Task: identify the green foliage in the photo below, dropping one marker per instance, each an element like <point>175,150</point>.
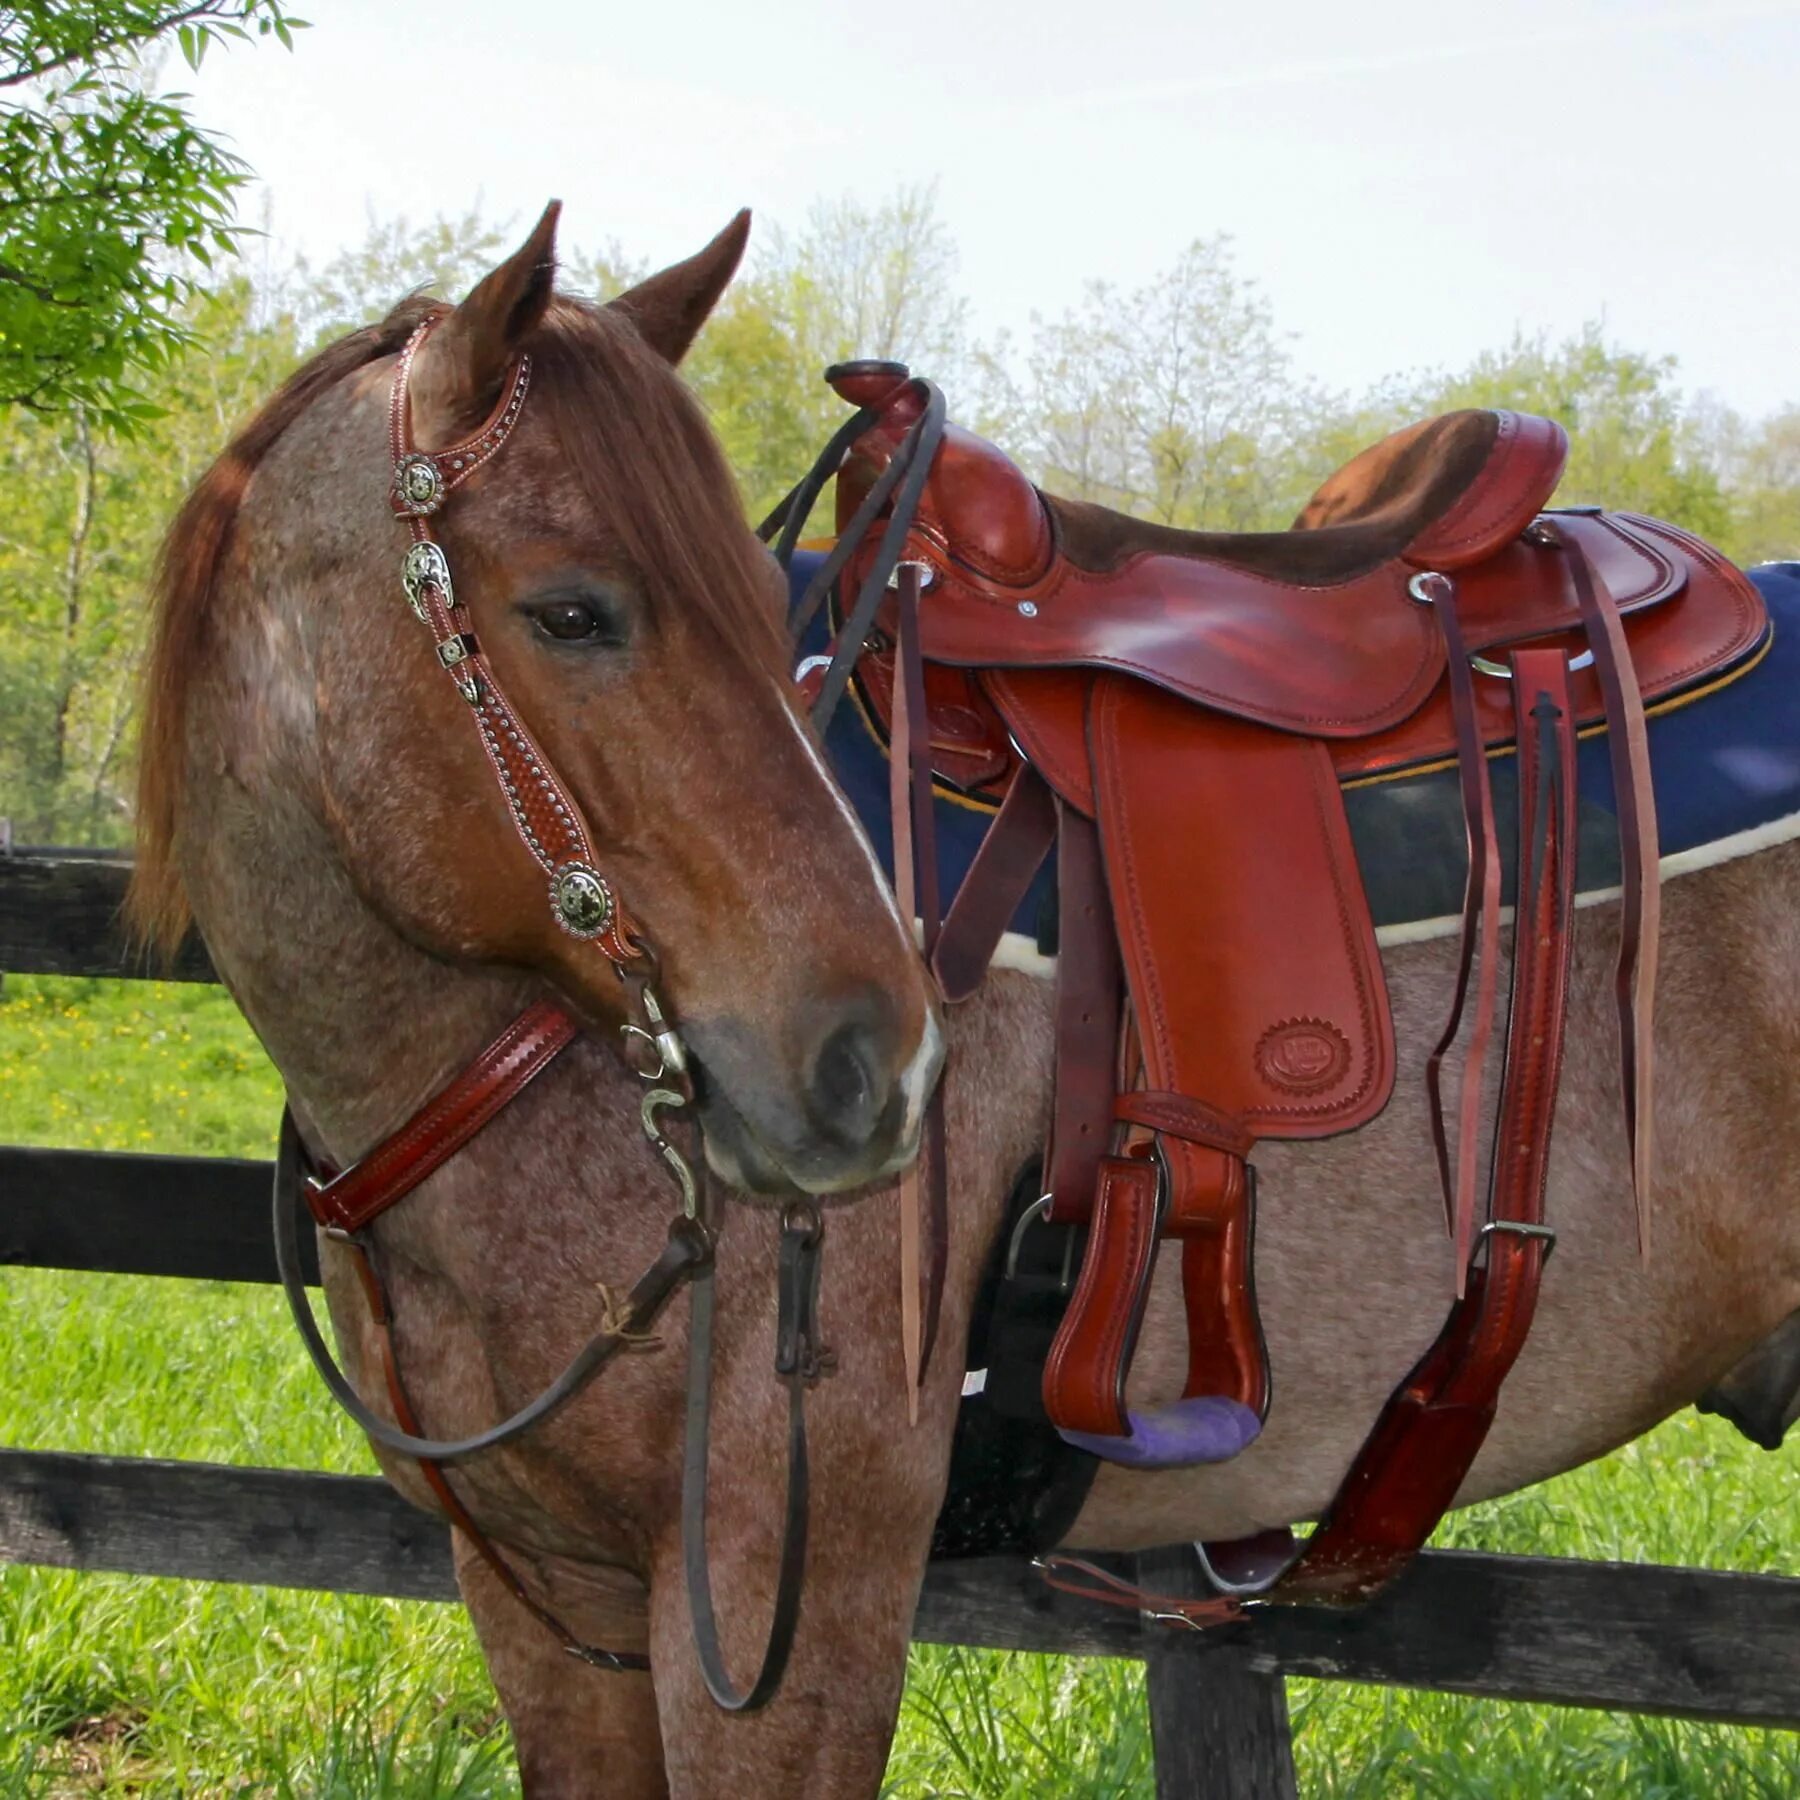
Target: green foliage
<point>86,510</point>
<point>445,257</point>
<point>1760,465</point>
<point>113,202</point>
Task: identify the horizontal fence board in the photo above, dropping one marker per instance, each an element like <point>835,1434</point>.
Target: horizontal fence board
<point>1687,1642</point>
<point>209,1522</point>
<point>1633,1637</point>
<point>201,1216</point>
<point>60,916</point>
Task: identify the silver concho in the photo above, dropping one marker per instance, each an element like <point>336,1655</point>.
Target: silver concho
<point>426,566</point>
<point>582,900</point>
<point>418,485</point>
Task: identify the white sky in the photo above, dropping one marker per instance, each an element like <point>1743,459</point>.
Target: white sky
<point>1408,181</point>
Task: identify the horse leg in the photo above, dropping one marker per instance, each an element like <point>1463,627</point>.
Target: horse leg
<point>827,1732</point>
<point>582,1733</point>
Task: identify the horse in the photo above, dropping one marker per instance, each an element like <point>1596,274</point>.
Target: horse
<point>312,798</point>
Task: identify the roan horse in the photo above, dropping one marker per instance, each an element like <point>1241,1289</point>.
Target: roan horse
<point>313,797</point>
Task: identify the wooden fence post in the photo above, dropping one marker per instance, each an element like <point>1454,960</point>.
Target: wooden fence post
<point>1220,1727</point>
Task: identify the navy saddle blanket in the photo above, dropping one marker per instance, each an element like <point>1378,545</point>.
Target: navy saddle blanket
<point>1727,767</point>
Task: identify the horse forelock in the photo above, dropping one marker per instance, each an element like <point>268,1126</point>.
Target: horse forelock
<point>631,437</point>
<point>638,443</point>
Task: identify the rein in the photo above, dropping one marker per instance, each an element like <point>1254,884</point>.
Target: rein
<point>346,1205</point>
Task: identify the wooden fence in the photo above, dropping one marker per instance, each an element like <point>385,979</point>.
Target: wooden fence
<point>1684,1642</point>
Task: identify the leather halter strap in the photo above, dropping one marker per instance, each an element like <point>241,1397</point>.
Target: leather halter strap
<point>349,1202</point>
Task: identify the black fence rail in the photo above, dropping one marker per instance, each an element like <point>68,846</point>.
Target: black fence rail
<point>1684,1642</point>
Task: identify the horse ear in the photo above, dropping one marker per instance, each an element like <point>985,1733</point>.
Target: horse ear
<point>456,381</point>
<point>669,308</point>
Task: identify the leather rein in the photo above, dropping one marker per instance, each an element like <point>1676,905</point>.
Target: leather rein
<point>346,1205</point>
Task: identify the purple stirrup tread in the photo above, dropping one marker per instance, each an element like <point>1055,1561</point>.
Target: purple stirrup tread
<point>1204,1429</point>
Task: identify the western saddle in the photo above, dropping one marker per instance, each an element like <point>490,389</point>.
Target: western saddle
<point>1173,714</point>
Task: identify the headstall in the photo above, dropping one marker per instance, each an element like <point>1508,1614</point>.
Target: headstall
<point>345,1205</point>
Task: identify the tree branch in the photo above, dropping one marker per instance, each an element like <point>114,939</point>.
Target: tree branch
<point>106,43</point>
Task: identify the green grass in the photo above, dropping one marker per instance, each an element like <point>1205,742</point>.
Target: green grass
<point>118,1684</point>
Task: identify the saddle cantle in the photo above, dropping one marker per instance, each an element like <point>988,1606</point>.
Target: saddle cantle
<point>1176,712</point>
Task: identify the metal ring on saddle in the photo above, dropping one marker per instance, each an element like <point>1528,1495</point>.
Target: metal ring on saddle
<point>1428,586</point>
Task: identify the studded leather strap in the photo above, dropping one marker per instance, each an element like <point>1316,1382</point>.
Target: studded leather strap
<point>544,814</point>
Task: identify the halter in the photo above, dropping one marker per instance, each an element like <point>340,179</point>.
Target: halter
<point>583,902</point>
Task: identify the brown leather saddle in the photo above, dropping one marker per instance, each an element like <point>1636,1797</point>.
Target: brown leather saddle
<point>1172,714</point>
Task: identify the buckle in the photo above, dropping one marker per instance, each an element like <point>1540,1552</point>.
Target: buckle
<point>1546,1234</point>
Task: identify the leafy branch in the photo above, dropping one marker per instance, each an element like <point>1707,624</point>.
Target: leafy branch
<point>113,201</point>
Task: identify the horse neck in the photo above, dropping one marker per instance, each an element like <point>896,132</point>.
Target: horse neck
<point>362,1024</point>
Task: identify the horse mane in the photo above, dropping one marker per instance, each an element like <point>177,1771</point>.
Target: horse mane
<point>182,616</point>
<point>637,441</point>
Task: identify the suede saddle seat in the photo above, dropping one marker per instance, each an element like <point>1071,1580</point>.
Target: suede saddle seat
<point>1191,704</point>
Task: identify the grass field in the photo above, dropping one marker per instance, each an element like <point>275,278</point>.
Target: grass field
<point>120,1685</point>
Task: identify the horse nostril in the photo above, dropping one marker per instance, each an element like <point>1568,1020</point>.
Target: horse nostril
<point>848,1093</point>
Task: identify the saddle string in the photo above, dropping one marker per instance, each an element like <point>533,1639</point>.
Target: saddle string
<point>897,490</point>
<point>1640,903</point>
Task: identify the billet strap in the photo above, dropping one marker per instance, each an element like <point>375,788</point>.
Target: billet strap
<point>1090,998</point>
<point>349,1202</point>
<point>1640,903</point>
<point>1005,864</point>
<point>1477,954</point>
<point>800,1360</point>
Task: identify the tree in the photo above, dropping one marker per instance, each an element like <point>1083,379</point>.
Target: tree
<point>1177,402</point>
<point>85,512</point>
<point>113,202</point>
<point>855,281</point>
<point>1760,466</point>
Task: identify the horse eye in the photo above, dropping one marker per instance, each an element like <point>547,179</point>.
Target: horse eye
<point>573,621</point>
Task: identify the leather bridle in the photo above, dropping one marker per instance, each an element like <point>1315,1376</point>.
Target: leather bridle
<point>346,1205</point>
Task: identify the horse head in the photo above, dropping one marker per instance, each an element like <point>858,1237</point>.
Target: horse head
<point>305,756</point>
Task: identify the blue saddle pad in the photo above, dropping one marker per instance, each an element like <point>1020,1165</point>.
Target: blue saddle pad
<point>1726,762</point>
